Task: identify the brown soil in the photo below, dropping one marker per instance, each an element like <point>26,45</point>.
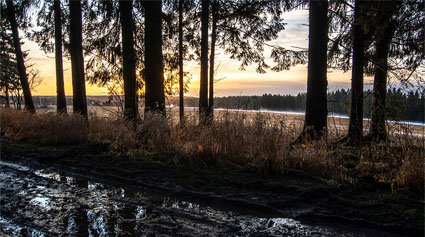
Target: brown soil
<point>295,194</point>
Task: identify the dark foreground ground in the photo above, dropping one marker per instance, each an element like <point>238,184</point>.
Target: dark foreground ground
<point>82,191</point>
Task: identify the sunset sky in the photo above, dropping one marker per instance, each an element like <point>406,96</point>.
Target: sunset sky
<point>235,82</point>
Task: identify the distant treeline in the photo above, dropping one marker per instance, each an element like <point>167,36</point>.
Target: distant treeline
<point>400,105</point>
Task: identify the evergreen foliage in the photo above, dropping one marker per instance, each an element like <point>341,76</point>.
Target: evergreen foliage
<point>401,105</point>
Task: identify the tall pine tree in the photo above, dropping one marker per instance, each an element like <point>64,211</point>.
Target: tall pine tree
<point>129,64</point>
<point>77,60</point>
<point>154,74</point>
<point>315,124</point>
<point>60,86</point>
<point>203,89</point>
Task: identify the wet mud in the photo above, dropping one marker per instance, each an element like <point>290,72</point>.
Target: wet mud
<point>42,203</point>
<point>46,199</point>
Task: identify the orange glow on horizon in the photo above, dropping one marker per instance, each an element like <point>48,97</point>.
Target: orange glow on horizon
<point>234,81</point>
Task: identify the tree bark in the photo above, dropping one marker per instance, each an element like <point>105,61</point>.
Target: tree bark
<point>203,91</point>
<point>378,130</point>
<point>60,88</point>
<point>129,63</point>
<point>385,28</point>
<point>212,55</point>
<point>355,127</point>
<point>77,60</point>
<point>181,79</point>
<point>154,77</point>
<point>29,104</point>
<point>315,124</point>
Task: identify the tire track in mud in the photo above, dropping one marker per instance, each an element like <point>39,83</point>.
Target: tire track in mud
<point>40,202</point>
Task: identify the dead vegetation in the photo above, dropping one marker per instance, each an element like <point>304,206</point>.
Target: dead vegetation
<point>260,143</point>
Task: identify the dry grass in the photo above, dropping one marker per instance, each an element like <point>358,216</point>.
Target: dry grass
<point>258,142</point>
<point>45,128</point>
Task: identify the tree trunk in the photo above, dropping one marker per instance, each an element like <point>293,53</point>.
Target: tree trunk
<point>60,88</point>
<point>378,131</point>
<point>129,63</point>
<point>203,91</point>
<point>154,77</point>
<point>212,55</point>
<point>77,60</point>
<point>315,124</point>
<point>29,104</point>
<point>7,96</point>
<point>181,79</point>
<point>355,127</point>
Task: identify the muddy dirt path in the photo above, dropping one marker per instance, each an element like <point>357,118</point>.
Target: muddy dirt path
<point>41,202</point>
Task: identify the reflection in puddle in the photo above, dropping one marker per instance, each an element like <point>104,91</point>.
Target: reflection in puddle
<point>9,227</point>
<point>54,176</point>
<point>71,225</point>
<point>98,222</point>
<point>273,222</point>
<point>41,201</point>
<point>14,166</point>
<point>86,208</point>
<point>140,213</point>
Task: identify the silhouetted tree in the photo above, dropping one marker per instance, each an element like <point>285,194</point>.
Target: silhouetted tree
<point>242,29</point>
<point>129,65</point>
<point>77,60</point>
<point>347,50</point>
<point>51,39</point>
<point>181,72</point>
<point>60,87</point>
<point>10,83</point>
<point>29,105</point>
<point>385,26</point>
<point>103,43</point>
<point>406,48</point>
<point>154,77</point>
<point>9,70</point>
<point>203,89</point>
<point>315,124</point>
<point>214,12</point>
<point>106,39</point>
<point>355,127</point>
<point>171,43</point>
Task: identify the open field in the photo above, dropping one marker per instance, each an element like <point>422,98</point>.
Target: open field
<point>337,125</point>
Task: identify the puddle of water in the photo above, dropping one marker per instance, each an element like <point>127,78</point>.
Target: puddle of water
<point>96,209</point>
<point>41,201</point>
<point>8,226</point>
<point>14,166</point>
<point>54,176</point>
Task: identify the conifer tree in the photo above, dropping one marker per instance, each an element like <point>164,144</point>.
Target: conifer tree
<point>129,64</point>
<point>52,39</point>
<point>60,87</point>
<point>203,89</point>
<point>29,105</point>
<point>154,74</point>
<point>315,124</point>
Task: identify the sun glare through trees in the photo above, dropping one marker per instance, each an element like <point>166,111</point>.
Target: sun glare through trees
<point>212,118</point>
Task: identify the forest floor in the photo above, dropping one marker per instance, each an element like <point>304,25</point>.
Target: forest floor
<point>295,194</point>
